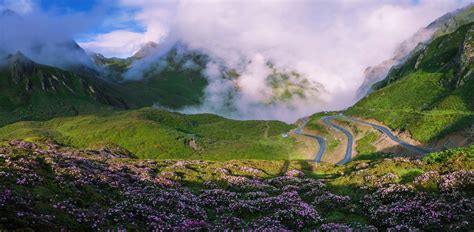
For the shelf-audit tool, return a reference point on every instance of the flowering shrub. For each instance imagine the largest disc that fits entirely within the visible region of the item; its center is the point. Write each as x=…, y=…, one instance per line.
x=158, y=209
x=294, y=173
x=459, y=180
x=398, y=205
x=52, y=187
x=335, y=227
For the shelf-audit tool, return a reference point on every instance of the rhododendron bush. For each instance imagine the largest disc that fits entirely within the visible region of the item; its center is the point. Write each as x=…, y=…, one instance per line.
x=49, y=187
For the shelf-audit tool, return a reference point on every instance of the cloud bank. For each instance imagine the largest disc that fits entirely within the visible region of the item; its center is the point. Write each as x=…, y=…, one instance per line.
x=330, y=43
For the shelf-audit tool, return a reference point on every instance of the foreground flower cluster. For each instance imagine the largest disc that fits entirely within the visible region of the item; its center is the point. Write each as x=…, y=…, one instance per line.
x=45, y=186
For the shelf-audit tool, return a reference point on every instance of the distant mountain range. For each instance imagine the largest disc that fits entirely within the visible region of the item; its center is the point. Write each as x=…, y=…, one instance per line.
x=173, y=78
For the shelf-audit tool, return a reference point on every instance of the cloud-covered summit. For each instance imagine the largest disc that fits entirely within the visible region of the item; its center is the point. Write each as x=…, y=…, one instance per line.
x=328, y=42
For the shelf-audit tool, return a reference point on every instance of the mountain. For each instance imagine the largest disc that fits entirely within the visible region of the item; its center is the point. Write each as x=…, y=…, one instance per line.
x=430, y=95
x=446, y=24
x=31, y=91
x=146, y=50
x=57, y=51
x=173, y=80
x=76, y=154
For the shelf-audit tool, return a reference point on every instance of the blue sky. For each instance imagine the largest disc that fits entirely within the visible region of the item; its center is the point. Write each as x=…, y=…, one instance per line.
x=109, y=15
x=68, y=5
x=115, y=16
x=122, y=26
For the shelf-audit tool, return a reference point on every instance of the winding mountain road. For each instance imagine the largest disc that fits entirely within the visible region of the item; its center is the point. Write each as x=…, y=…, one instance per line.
x=350, y=139
x=322, y=147
x=321, y=140
x=393, y=137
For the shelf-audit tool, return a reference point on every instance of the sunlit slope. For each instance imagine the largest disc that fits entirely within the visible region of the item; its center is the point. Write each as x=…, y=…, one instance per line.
x=431, y=94
x=151, y=133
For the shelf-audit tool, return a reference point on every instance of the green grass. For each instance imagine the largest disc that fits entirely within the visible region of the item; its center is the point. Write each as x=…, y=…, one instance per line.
x=364, y=145
x=444, y=156
x=152, y=133
x=315, y=122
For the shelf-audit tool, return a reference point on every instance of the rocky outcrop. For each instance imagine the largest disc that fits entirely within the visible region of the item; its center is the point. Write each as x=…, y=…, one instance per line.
x=20, y=67
x=466, y=57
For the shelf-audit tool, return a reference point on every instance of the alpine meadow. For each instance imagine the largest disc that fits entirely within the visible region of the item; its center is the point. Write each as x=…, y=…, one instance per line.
x=223, y=115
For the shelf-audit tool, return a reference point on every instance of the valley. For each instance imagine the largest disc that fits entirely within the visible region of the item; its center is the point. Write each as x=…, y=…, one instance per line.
x=184, y=136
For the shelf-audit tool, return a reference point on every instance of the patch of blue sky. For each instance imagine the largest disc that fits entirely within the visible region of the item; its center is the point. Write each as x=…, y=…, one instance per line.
x=113, y=17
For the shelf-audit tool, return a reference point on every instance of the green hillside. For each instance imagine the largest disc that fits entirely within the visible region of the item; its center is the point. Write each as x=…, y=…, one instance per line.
x=30, y=91
x=430, y=95
x=151, y=133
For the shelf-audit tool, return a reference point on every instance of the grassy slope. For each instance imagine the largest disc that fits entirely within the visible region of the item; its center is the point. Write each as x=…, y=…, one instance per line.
x=152, y=133
x=365, y=147
x=424, y=99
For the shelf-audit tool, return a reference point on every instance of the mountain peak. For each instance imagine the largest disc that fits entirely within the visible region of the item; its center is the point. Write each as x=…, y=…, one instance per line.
x=150, y=45
x=146, y=50
x=20, y=58
x=20, y=66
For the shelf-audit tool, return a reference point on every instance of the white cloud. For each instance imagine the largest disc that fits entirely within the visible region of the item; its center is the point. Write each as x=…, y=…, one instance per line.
x=330, y=42
x=116, y=43
x=123, y=43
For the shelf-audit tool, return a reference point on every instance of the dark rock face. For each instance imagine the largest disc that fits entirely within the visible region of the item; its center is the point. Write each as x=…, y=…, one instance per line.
x=466, y=58
x=20, y=67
